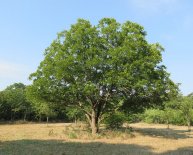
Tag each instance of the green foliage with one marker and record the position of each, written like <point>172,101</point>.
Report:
<point>178,118</point>
<point>166,116</point>
<point>75,113</point>
<point>178,111</point>
<point>153,116</point>
<point>115,120</point>
<point>40,106</point>
<point>186,107</point>
<point>13,103</point>
<point>98,67</point>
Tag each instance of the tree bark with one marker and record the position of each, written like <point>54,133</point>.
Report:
<point>47,120</point>
<point>93,122</point>
<point>40,118</point>
<point>75,120</point>
<point>24,117</point>
<point>189,126</point>
<point>168,125</point>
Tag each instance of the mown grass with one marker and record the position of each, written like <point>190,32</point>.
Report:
<point>70,139</point>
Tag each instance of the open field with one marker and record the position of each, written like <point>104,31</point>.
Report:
<point>68,139</point>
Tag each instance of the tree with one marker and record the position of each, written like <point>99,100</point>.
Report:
<point>5,109</point>
<point>15,100</point>
<point>101,67</point>
<point>186,108</point>
<point>40,106</point>
<point>170,107</point>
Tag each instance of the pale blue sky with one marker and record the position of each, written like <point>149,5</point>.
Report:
<point>27,27</point>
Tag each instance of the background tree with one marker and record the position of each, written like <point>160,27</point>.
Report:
<point>98,67</point>
<point>5,108</point>
<point>15,101</point>
<point>40,106</point>
<point>186,108</point>
<point>168,111</point>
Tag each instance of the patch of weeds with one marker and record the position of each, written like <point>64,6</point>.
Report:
<point>72,135</point>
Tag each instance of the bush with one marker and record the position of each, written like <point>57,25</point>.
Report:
<point>153,116</point>
<point>178,118</point>
<point>161,116</point>
<point>115,121</point>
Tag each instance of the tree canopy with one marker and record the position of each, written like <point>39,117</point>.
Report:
<point>13,102</point>
<point>101,68</point>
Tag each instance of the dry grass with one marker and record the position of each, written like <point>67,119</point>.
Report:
<point>64,139</point>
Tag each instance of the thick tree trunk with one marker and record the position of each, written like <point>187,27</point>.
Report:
<point>93,122</point>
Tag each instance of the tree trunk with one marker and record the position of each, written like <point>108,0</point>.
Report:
<point>40,118</point>
<point>11,116</point>
<point>189,126</point>
<point>93,122</point>
<point>168,125</point>
<point>75,120</point>
<point>47,120</point>
<point>24,117</point>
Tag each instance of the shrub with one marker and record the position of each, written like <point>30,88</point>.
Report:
<point>178,118</point>
<point>115,120</point>
<point>173,116</point>
<point>153,116</point>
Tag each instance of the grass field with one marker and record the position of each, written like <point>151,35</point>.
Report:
<point>70,139</point>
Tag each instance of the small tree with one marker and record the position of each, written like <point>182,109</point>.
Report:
<point>41,107</point>
<point>167,116</point>
<point>168,112</point>
<point>186,108</point>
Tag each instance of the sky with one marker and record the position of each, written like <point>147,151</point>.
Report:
<point>27,27</point>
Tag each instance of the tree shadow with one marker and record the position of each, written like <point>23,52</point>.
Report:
<point>53,147</point>
<point>180,151</point>
<point>164,133</point>
<point>59,147</point>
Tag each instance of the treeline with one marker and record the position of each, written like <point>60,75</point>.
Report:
<point>16,105</point>
<point>178,111</point>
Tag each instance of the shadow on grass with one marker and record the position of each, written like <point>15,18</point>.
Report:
<point>164,133</point>
<point>53,147</point>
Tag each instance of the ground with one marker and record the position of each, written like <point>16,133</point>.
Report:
<point>71,139</point>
